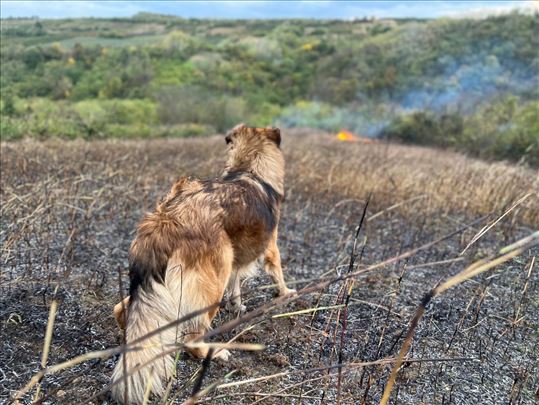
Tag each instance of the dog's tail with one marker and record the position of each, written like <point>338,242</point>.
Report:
<point>154,302</point>
<point>167,283</point>
<point>146,364</point>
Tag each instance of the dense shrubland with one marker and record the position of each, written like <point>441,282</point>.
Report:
<point>466,84</point>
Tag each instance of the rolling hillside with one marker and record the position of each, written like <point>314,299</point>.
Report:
<point>466,84</point>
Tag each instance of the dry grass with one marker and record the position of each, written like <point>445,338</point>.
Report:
<point>69,211</point>
<point>449,182</point>
<point>444,181</point>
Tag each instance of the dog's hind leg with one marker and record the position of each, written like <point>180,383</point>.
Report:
<point>201,352</point>
<point>234,288</point>
<point>212,277</point>
<point>272,265</point>
<point>197,332</point>
<point>234,303</point>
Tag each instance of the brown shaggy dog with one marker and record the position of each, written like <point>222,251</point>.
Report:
<point>202,238</point>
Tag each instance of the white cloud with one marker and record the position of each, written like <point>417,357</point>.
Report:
<point>524,7</point>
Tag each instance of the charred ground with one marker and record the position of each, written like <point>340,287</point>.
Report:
<point>69,210</point>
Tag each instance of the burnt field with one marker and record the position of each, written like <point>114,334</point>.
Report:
<point>69,211</point>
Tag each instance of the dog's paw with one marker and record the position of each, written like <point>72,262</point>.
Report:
<point>222,355</point>
<point>287,291</point>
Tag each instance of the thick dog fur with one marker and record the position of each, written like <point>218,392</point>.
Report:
<point>204,236</point>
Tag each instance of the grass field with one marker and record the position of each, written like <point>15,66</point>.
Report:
<point>68,214</point>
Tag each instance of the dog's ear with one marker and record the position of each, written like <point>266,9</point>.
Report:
<point>275,135</point>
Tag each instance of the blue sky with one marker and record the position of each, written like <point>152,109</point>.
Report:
<point>262,9</point>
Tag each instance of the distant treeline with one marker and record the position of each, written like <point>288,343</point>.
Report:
<point>466,84</point>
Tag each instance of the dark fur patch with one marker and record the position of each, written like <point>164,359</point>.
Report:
<point>270,192</point>
<point>157,237</point>
<point>263,206</point>
<point>251,215</point>
<point>141,275</point>
<point>275,135</point>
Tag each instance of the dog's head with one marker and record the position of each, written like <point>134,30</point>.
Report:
<point>249,147</point>
<point>258,151</point>
<point>244,136</point>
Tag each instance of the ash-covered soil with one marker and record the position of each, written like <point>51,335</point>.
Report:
<point>68,215</point>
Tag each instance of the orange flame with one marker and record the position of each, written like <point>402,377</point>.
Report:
<point>346,136</point>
